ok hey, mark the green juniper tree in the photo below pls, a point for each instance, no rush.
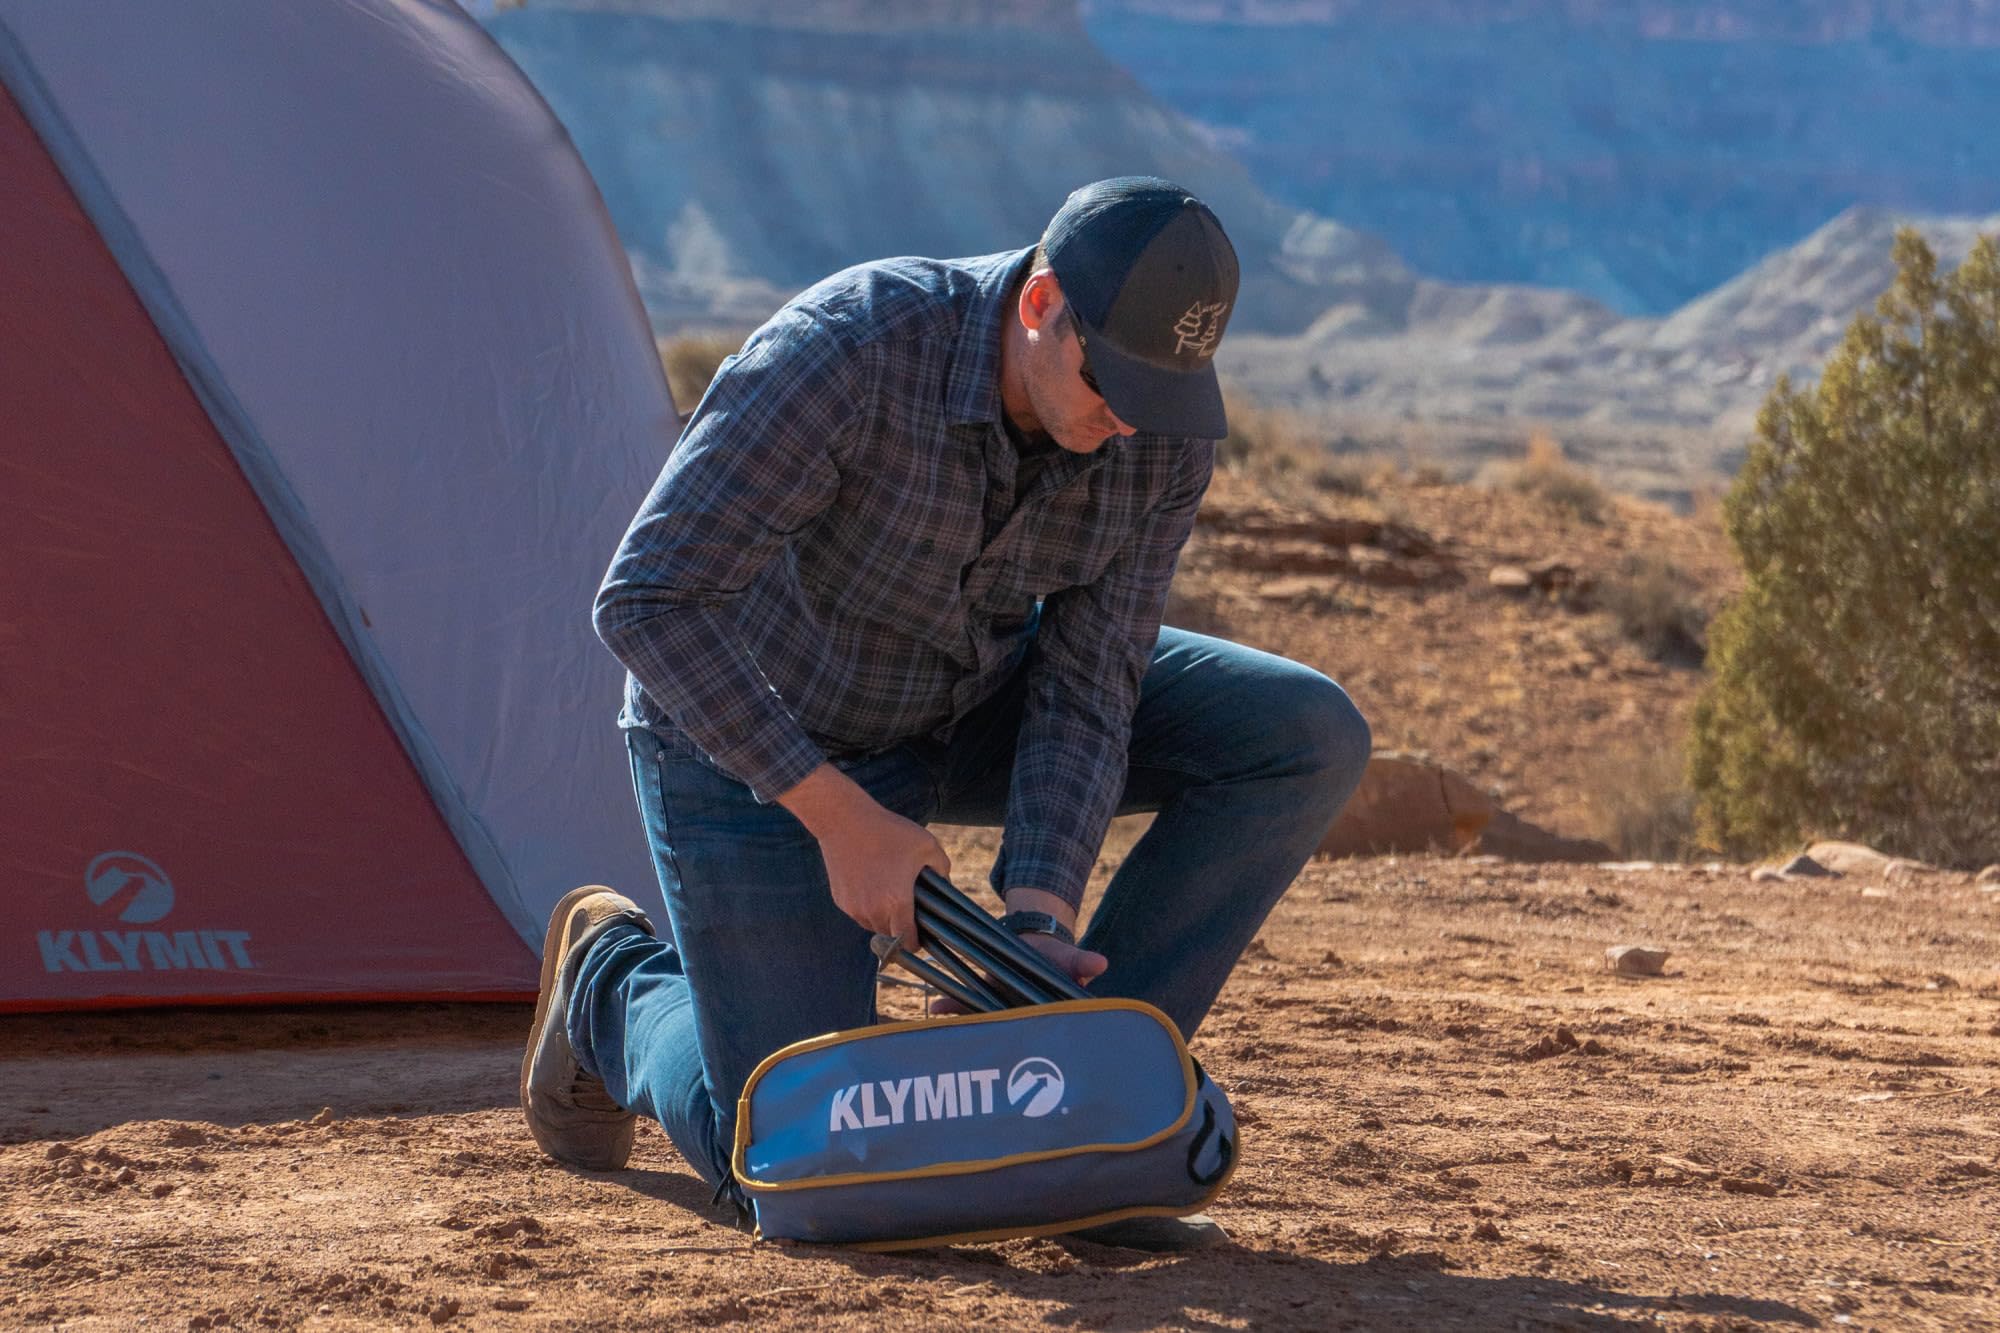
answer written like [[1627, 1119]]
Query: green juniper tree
[[1855, 685]]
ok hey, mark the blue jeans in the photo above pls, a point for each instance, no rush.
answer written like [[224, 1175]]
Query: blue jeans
[[1245, 757]]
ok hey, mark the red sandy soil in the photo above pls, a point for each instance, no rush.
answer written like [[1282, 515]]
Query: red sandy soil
[[1540, 700], [1454, 1117]]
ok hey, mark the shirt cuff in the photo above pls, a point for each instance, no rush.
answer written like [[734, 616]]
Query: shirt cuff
[[771, 760], [1046, 861]]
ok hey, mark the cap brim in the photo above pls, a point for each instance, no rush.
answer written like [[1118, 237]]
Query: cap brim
[[1157, 399]]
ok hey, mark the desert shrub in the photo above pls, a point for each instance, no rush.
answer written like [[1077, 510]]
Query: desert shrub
[[1855, 683], [1264, 443], [1651, 599], [1286, 456], [1199, 609], [1353, 473], [1545, 474], [691, 362], [1640, 804]]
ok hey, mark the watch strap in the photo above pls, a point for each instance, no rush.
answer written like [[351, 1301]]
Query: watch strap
[[1037, 923]]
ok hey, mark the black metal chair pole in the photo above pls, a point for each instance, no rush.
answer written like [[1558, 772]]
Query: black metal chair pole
[[982, 925], [980, 1000]]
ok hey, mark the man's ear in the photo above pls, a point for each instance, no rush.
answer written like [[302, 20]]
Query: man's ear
[[1041, 297]]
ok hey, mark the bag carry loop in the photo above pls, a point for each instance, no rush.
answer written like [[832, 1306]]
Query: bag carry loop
[[1225, 1147]]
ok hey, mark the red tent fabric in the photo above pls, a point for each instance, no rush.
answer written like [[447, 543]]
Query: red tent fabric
[[325, 395], [202, 800]]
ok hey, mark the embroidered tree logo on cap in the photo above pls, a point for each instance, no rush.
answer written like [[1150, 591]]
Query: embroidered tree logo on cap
[[1200, 328]]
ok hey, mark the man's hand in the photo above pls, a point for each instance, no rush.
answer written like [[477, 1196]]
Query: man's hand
[[872, 854], [1079, 965]]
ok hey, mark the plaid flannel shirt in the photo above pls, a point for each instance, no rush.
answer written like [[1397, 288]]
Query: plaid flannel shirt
[[833, 561]]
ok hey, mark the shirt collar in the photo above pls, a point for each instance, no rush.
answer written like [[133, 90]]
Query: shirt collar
[[972, 381]]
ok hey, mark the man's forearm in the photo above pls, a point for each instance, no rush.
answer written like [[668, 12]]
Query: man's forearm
[[825, 800], [828, 799]]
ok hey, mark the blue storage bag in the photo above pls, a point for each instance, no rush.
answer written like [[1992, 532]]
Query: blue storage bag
[[1024, 1121]]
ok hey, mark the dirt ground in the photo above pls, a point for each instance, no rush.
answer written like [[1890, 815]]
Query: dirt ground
[[1454, 1116], [1541, 701]]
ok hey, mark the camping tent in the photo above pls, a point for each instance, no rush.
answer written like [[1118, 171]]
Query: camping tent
[[325, 395]]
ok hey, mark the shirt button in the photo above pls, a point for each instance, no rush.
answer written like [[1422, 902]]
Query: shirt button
[[926, 546]]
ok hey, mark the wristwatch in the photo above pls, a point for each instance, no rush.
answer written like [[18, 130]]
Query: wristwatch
[[1037, 923]]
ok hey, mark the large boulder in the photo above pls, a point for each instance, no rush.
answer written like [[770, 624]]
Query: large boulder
[[1518, 840], [1408, 803], [1853, 858]]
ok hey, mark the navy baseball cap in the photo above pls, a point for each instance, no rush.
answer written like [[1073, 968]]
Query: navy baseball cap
[[1151, 277]]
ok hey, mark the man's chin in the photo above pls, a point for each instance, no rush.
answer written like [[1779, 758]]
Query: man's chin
[[1079, 441]]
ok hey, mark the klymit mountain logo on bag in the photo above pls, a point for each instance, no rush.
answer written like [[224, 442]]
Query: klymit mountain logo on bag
[[1038, 1083], [137, 891], [1035, 1087]]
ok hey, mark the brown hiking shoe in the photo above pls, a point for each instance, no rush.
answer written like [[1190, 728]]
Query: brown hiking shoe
[[570, 1114]]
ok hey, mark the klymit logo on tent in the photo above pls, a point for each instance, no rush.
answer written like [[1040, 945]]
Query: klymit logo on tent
[[947, 1096], [140, 884], [134, 889]]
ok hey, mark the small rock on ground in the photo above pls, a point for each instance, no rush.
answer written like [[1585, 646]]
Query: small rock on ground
[[1636, 960]]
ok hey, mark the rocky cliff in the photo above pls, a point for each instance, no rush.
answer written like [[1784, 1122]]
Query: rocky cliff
[[744, 157]]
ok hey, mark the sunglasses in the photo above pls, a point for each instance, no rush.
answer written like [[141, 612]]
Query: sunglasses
[[1083, 368]]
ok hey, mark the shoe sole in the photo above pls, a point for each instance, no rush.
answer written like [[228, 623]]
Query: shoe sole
[[1158, 1235]]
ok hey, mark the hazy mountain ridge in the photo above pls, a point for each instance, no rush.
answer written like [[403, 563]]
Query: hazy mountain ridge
[[1699, 367], [1933, 22], [743, 161], [1666, 399], [1642, 153]]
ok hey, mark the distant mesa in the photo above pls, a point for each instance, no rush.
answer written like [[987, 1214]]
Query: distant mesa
[[747, 148]]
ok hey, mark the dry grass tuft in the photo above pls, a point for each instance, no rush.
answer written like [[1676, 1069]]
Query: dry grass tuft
[[1551, 478], [691, 361], [1263, 444], [1640, 804], [1284, 454], [1426, 472], [1652, 601], [1355, 473]]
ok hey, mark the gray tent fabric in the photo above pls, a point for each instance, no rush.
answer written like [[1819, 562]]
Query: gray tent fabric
[[388, 276]]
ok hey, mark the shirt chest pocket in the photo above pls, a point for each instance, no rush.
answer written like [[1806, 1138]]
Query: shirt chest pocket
[[1053, 551], [910, 584]]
